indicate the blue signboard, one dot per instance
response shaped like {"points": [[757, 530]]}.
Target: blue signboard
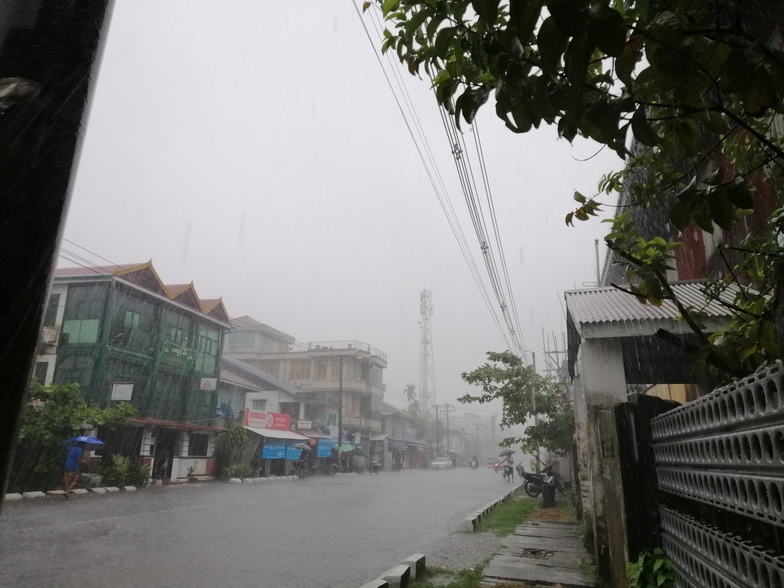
{"points": [[273, 449], [291, 451], [324, 448]]}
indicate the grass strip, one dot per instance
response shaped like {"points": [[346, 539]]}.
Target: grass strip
{"points": [[445, 578], [505, 517]]}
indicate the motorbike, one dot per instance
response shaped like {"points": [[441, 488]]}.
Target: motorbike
{"points": [[533, 482], [474, 464], [375, 468]]}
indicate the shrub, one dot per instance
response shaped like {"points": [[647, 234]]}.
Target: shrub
{"points": [[653, 569], [117, 472], [138, 474], [238, 470]]}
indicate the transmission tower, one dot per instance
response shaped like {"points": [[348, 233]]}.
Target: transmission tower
{"points": [[427, 385]]}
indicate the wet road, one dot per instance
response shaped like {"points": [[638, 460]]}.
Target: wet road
{"points": [[320, 533]]}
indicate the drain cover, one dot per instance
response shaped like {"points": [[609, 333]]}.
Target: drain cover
{"points": [[536, 553]]}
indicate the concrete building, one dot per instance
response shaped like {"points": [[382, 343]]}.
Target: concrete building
{"points": [[318, 371]]}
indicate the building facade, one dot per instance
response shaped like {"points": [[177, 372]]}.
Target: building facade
{"points": [[319, 371], [124, 336]]}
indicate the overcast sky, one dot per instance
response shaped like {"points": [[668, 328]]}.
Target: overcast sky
{"points": [[255, 149]]}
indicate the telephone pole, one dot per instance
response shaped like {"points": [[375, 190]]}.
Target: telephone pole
{"points": [[340, 414], [438, 446], [427, 386], [447, 410]]}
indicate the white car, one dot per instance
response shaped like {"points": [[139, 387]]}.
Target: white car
{"points": [[441, 463]]}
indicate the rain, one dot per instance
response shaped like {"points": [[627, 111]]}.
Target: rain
{"points": [[263, 170]]}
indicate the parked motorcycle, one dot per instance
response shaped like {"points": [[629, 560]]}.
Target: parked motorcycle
{"points": [[375, 468], [533, 482]]}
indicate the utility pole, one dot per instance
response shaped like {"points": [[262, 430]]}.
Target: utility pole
{"points": [[438, 446], [477, 442], [427, 386], [447, 410], [340, 414], [536, 416]]}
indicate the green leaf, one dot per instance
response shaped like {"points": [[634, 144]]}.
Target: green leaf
{"points": [[758, 95], [388, 6], [578, 54], [443, 41], [642, 130], [607, 29], [523, 16], [552, 41], [486, 9], [739, 194], [721, 209], [570, 15], [417, 19]]}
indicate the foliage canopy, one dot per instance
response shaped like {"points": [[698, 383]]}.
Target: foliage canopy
{"points": [[526, 397], [686, 91]]}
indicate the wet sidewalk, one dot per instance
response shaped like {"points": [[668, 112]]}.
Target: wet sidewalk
{"points": [[540, 554]]}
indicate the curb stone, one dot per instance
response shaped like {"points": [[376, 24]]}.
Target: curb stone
{"points": [[98, 490], [79, 491], [397, 577], [235, 481], [129, 488], [471, 522], [55, 493], [13, 496], [400, 575], [33, 494], [112, 489]]}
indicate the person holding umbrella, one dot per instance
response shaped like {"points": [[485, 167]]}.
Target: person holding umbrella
{"points": [[73, 460]]}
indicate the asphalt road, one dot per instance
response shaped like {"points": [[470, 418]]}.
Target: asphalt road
{"points": [[317, 533]]}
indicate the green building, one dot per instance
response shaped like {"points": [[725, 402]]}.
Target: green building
{"points": [[124, 336]]}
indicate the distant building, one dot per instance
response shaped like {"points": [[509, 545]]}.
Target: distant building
{"points": [[124, 336], [316, 370]]}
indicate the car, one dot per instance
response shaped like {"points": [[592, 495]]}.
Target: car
{"points": [[441, 463]]}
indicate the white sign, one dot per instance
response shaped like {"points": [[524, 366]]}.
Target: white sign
{"points": [[305, 425], [208, 384], [122, 391]]}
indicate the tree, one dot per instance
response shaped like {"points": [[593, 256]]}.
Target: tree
{"points": [[686, 91], [504, 377], [230, 451], [411, 396], [55, 413]]}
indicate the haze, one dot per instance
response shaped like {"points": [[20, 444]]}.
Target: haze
{"points": [[255, 149]]}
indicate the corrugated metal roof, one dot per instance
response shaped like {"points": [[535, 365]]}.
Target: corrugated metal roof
{"points": [[610, 306]]}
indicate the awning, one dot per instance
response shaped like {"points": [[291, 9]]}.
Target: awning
{"points": [[397, 444], [275, 434], [315, 434], [145, 422]]}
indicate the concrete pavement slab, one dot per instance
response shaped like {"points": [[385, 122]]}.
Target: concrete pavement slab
{"points": [[535, 573]]}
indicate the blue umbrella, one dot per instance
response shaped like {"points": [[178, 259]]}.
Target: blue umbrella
{"points": [[85, 439]]}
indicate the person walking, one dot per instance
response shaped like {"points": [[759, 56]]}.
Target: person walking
{"points": [[72, 466]]}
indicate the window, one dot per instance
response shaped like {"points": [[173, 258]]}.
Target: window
{"points": [[177, 336], [259, 404], [207, 345], [50, 315], [197, 444], [271, 366], [131, 320], [321, 369], [290, 408], [75, 369], [41, 369], [300, 369], [81, 331]]}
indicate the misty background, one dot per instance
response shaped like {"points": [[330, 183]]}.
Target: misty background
{"points": [[256, 149]]}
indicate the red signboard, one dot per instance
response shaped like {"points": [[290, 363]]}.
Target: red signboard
{"points": [[267, 420]]}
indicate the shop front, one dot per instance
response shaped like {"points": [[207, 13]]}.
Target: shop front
{"points": [[275, 446]]}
